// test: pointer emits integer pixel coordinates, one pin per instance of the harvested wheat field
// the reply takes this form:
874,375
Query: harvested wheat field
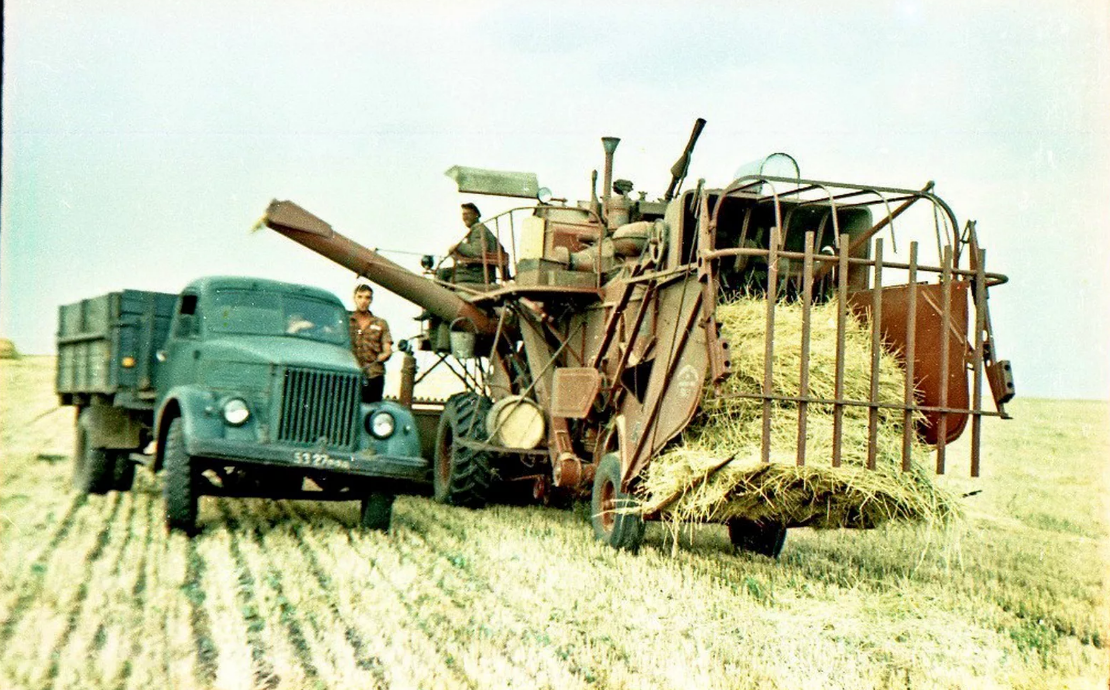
94,594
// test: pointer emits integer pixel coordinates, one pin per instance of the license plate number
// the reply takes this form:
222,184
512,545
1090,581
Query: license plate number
321,460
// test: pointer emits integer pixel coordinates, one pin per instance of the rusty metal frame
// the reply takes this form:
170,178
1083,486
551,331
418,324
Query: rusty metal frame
815,266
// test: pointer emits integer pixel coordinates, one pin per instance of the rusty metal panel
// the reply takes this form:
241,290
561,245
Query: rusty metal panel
928,378
677,375
573,391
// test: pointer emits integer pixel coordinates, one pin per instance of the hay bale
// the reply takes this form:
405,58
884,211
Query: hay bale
7,349
817,494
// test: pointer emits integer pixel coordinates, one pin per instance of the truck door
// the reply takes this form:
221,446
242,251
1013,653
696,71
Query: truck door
178,359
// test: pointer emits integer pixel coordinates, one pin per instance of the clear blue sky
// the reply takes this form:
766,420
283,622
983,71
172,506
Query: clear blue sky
141,140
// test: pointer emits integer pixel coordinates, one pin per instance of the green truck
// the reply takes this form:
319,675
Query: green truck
235,387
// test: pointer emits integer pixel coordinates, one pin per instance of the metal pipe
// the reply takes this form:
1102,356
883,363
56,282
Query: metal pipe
769,340
945,325
289,219
911,353
876,350
841,329
803,385
610,145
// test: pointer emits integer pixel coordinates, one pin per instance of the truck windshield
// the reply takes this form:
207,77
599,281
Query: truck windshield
262,313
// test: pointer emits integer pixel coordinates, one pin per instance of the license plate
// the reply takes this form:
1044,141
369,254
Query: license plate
321,460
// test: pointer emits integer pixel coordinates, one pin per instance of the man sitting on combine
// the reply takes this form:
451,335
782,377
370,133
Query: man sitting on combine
478,257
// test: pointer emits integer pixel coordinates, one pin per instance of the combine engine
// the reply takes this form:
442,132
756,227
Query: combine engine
604,345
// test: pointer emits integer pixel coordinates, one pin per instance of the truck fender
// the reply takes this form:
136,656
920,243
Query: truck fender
189,403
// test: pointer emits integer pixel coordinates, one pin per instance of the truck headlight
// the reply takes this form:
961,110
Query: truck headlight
236,412
381,425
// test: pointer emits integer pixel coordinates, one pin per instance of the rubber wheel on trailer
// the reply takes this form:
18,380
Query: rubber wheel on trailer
621,530
462,476
377,509
179,486
765,538
93,468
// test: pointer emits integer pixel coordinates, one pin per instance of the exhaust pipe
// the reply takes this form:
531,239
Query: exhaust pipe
610,144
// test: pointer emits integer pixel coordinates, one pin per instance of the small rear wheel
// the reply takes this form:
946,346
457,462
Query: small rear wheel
377,510
765,538
93,468
609,505
179,485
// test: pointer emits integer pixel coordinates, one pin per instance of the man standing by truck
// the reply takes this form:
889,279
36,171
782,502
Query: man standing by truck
371,343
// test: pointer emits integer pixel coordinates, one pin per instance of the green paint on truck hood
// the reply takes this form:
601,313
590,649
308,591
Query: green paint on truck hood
289,351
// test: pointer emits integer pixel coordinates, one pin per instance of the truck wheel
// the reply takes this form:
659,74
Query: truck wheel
178,484
617,529
377,509
765,538
462,476
123,470
93,468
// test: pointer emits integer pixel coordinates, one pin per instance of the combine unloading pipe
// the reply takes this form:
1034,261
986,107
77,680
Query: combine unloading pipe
302,227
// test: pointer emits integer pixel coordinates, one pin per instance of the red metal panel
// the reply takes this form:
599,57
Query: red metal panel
929,380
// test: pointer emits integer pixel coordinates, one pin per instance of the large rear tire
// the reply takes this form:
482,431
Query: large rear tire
462,476
612,525
93,468
179,485
377,511
764,538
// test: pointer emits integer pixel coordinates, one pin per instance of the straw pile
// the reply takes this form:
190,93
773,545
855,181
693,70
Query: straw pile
817,494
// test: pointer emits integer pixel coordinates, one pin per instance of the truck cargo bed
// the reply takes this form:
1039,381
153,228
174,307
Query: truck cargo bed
107,345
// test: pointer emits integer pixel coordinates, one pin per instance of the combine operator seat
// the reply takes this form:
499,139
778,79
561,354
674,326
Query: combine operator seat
480,272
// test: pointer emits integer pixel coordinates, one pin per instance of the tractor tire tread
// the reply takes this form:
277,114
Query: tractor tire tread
471,474
94,468
178,484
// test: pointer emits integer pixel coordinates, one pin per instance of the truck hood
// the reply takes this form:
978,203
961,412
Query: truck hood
290,351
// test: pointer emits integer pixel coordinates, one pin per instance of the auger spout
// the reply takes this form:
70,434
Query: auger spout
289,219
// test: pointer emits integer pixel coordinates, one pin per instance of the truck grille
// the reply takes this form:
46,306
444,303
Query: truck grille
320,404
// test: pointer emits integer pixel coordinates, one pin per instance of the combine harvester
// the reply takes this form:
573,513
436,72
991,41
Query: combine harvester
758,354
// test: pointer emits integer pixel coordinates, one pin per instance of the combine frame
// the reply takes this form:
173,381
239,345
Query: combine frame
607,336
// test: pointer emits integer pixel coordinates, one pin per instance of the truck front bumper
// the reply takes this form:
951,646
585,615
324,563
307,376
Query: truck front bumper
414,469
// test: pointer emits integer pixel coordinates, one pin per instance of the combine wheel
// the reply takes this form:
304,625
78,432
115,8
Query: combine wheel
617,529
93,468
766,538
377,509
179,485
462,476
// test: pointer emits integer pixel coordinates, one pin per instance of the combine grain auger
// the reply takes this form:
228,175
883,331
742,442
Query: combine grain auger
608,351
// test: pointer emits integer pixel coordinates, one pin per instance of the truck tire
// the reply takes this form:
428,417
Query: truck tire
93,468
179,486
377,510
462,476
765,538
620,530
123,470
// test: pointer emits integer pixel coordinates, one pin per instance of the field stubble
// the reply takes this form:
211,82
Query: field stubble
289,594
